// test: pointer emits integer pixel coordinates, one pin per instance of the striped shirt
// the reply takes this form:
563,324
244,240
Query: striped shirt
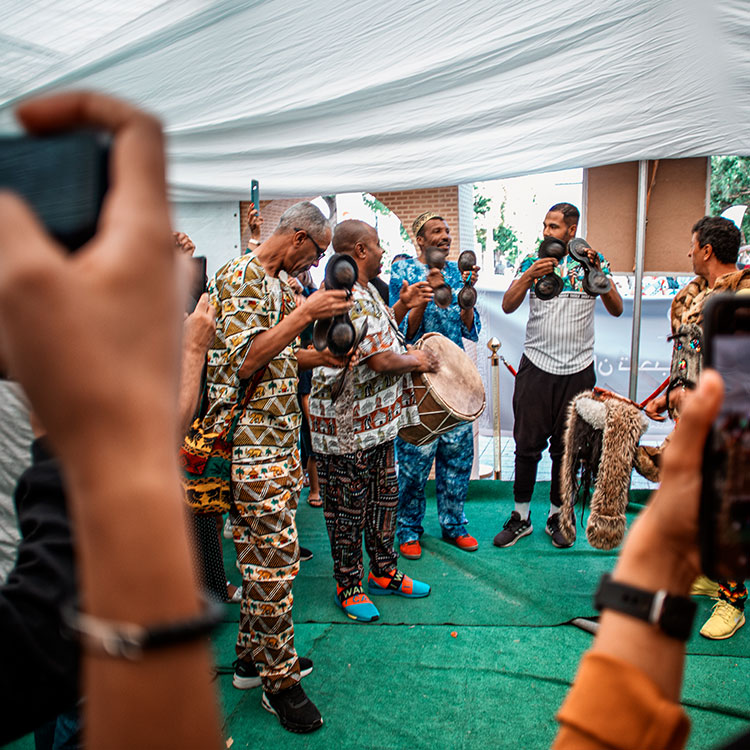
560,331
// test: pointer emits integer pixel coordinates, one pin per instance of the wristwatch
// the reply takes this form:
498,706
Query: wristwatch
673,615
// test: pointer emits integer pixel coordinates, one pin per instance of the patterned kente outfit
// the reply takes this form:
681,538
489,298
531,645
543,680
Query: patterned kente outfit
353,441
452,452
266,472
687,308
557,364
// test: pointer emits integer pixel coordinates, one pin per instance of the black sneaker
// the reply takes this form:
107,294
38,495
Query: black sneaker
305,554
296,712
553,529
515,527
246,675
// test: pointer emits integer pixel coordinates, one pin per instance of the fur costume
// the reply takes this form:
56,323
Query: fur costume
601,438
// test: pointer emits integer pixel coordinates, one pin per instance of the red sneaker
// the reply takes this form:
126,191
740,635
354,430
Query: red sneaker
465,542
411,550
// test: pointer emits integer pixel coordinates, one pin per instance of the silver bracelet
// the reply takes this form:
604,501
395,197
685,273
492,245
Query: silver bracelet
127,640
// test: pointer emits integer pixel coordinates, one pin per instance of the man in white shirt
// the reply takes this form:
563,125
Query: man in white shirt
557,364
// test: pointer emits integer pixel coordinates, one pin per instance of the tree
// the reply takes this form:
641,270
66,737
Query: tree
482,238
481,203
481,208
506,249
730,185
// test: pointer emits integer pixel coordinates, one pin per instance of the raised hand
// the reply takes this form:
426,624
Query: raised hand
415,295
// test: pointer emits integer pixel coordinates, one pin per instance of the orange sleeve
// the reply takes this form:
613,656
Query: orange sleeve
615,706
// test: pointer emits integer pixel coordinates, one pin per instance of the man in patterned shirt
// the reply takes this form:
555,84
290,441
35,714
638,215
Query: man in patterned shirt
557,364
353,433
257,331
453,452
714,250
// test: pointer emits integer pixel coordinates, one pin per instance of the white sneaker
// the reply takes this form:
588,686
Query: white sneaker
704,586
725,621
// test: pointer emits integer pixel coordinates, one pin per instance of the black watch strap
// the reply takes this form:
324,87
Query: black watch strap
674,615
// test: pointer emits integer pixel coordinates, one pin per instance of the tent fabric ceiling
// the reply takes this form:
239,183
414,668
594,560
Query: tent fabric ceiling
329,97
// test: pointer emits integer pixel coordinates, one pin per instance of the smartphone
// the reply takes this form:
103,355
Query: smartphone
255,195
198,281
62,177
725,495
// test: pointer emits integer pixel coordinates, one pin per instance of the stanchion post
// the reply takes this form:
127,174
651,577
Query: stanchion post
494,345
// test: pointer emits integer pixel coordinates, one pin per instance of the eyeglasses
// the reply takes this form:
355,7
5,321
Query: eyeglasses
320,250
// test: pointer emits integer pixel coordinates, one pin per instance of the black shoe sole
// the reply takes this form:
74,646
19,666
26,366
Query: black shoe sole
515,539
289,726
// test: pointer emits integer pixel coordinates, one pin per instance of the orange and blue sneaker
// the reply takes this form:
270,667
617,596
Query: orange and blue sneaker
356,604
396,583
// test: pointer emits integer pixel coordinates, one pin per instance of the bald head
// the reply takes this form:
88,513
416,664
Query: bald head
350,232
360,241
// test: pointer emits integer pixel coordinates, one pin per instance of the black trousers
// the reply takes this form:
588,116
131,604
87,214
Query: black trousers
540,406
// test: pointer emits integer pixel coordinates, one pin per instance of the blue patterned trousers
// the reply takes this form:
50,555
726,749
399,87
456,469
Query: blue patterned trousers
453,454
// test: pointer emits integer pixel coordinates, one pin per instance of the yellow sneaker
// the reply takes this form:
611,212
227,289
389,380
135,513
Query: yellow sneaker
704,586
725,621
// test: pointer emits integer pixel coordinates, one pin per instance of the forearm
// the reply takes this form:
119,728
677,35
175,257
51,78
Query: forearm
513,298
467,318
415,320
307,359
137,524
399,311
191,376
647,563
268,344
393,363
612,300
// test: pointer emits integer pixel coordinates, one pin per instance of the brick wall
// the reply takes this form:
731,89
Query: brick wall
406,204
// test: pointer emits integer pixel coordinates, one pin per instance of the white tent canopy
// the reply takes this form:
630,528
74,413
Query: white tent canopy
327,97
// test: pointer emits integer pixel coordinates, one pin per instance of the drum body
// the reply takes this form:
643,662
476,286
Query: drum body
446,398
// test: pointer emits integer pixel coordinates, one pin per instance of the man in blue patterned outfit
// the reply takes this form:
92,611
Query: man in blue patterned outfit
452,452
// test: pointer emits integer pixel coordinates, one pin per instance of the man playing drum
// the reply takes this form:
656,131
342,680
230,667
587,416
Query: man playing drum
353,428
452,452
557,364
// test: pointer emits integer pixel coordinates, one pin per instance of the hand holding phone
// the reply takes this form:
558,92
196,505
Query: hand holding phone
254,219
63,177
725,496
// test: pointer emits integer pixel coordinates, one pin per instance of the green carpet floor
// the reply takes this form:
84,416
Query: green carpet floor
484,661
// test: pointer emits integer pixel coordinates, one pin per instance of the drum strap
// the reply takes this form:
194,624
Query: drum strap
389,315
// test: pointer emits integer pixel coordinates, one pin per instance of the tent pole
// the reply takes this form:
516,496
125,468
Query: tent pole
640,253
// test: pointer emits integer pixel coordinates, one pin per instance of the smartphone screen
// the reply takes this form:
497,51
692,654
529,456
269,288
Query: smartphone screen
255,194
62,177
197,282
725,501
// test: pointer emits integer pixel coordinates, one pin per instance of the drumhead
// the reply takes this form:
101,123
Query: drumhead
457,384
